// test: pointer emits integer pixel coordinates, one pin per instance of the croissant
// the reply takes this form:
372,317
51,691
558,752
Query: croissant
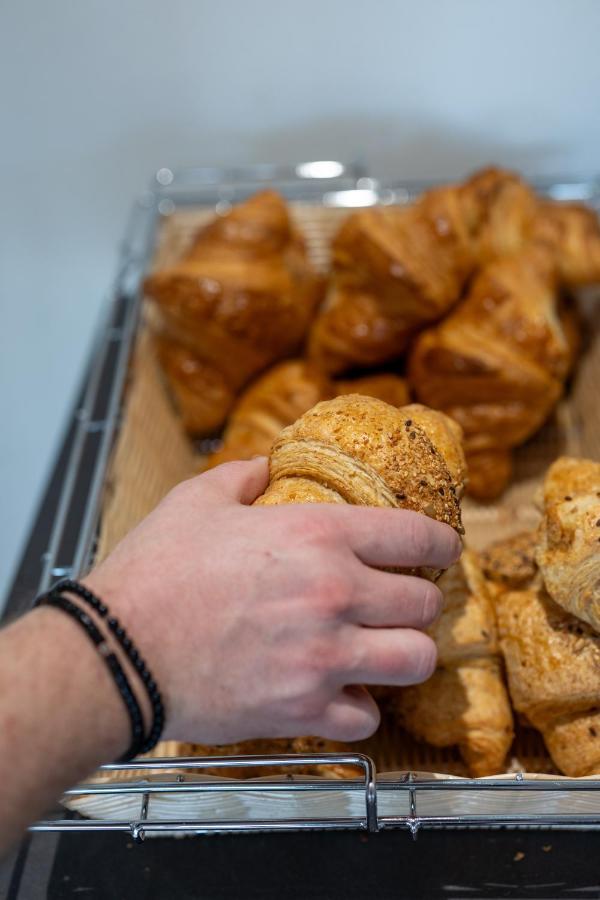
240,298
359,450
572,232
384,386
282,395
552,660
499,210
568,549
465,702
397,269
356,449
394,270
504,215
201,392
551,657
498,363
274,400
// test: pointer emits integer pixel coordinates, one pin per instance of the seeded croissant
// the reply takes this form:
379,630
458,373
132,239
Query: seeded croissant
359,450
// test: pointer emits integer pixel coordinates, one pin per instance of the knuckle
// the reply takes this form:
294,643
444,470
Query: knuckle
411,662
304,709
420,539
309,669
431,603
331,592
317,527
424,659
356,726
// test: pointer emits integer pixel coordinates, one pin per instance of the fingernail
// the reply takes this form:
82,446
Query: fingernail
259,456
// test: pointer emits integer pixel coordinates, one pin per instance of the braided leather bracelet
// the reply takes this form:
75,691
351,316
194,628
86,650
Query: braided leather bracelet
125,642
139,743
112,663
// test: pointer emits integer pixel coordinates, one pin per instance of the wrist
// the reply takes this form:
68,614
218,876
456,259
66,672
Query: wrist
141,642
89,697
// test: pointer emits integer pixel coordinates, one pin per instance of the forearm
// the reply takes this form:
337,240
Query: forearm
60,715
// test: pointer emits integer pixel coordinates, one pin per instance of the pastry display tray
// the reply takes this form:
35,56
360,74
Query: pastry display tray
117,462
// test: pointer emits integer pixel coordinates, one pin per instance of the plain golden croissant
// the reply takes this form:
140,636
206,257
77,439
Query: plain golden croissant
274,400
397,269
359,450
498,363
504,215
572,232
201,392
465,702
394,270
384,386
568,549
282,395
499,210
241,298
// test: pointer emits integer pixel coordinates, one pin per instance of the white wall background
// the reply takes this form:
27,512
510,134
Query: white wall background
95,95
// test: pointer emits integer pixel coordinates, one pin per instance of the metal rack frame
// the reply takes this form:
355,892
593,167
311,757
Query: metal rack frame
73,536
371,790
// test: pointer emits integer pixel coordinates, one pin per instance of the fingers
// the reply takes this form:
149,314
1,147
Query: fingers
389,656
398,537
239,481
352,716
386,600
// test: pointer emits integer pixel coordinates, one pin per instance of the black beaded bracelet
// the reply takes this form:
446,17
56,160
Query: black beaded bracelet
114,666
125,642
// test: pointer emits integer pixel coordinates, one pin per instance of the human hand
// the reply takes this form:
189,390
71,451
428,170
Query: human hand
265,621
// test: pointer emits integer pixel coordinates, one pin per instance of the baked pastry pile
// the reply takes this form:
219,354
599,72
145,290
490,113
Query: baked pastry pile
465,289
546,590
462,297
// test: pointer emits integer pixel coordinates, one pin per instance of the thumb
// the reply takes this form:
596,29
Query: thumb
239,481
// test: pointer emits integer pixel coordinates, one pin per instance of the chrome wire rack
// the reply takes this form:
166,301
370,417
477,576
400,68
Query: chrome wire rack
186,802
183,804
